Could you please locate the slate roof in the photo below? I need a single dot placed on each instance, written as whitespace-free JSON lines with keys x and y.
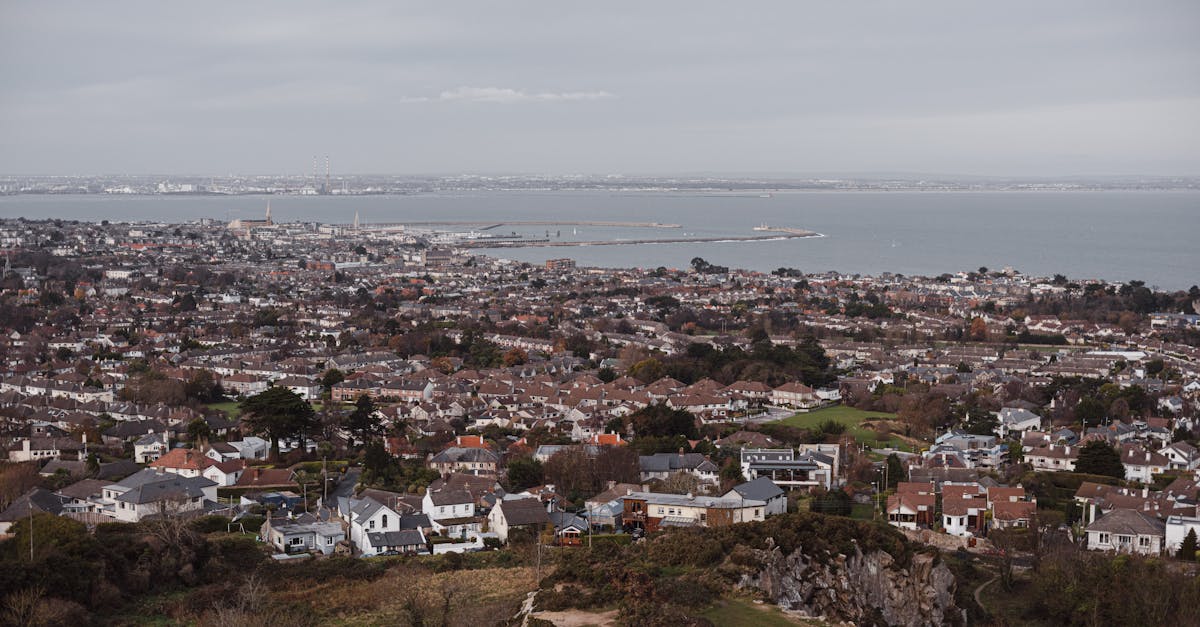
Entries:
{"x":523,"y":512}
{"x":1129,"y":522}
{"x":39,"y":500}
{"x":407,"y":537}
{"x":761,"y":489}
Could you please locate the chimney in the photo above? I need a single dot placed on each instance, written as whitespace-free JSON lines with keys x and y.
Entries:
{"x":1145,"y":492}
{"x":1147,"y":456}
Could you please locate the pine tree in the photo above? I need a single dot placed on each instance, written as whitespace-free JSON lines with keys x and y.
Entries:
{"x":1187,"y":550}
{"x":1100,"y":458}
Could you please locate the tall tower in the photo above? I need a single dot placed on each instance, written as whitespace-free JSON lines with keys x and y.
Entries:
{"x":268,"y":220}
{"x":355,"y":220}
{"x":328,"y":190}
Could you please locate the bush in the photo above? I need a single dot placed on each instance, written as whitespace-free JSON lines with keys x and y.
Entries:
{"x":209,"y":524}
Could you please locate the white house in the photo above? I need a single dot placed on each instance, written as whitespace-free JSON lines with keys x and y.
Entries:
{"x":1127,"y":531}
{"x":510,"y":514}
{"x":1177,"y":529}
{"x":288,"y":536}
{"x":1181,"y":456}
{"x":452,"y":512}
{"x":150,"y":447}
{"x":1016,"y":420}
{"x":763,"y":490}
{"x":1141,"y":464}
{"x":152,"y":492}
{"x":367,"y":516}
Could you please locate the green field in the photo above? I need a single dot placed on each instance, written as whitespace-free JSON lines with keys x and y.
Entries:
{"x":850,"y":417}
{"x":229,"y":407}
{"x":739,"y":613}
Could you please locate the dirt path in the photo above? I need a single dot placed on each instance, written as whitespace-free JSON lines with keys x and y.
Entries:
{"x":577,"y":618}
{"x":980,"y":590}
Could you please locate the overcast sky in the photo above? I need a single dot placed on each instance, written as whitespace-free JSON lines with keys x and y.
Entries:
{"x":791,"y":88}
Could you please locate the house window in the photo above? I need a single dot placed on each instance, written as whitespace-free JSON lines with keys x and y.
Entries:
{"x":758,"y":512}
{"x":1103,"y":538}
{"x":660,"y":511}
{"x":329,"y":540}
{"x":1144,"y":542}
{"x":296,"y":541}
{"x":384,"y":523}
{"x":371,"y":525}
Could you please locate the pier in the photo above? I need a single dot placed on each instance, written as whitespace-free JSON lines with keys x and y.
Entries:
{"x":491,"y":224}
{"x":791,"y":234}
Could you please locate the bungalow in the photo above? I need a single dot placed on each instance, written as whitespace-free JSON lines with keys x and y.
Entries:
{"x":1016,"y":420}
{"x":287,"y":536}
{"x":512,"y":514}
{"x":184,"y":462}
{"x":568,"y":528}
{"x":761,"y":489}
{"x":652,"y":510}
{"x":35,"y":501}
{"x":1127,"y":531}
{"x":403,"y":542}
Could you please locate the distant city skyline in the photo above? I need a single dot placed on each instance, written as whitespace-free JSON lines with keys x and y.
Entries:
{"x":779,"y":89}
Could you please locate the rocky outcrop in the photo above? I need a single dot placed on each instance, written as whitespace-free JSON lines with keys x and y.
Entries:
{"x":870,"y":589}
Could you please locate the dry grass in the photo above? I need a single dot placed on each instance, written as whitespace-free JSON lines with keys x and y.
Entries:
{"x":408,"y":595}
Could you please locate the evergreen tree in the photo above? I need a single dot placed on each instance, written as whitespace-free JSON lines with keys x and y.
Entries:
{"x":1187,"y":550}
{"x":1100,"y":458}
{"x":279,"y":413}
{"x":362,"y":423}
{"x":895,"y":471}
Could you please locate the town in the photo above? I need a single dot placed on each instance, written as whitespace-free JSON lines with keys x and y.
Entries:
{"x":330,"y":391}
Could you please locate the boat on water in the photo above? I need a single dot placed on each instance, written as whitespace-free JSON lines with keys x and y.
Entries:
{"x":764,"y":227}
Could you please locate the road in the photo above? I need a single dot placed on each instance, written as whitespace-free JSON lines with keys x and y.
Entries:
{"x":346,"y":486}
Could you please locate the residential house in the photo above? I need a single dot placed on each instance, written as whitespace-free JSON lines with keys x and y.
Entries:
{"x":652,"y":510}
{"x":964,"y":509}
{"x":764,"y":490}
{"x":790,"y":469}
{"x":35,"y":501}
{"x":511,"y":514}
{"x":467,"y":460}
{"x":368,"y":516}
{"x":663,"y":465}
{"x":150,"y":447}
{"x":289,"y":536}
{"x":912,"y":505}
{"x":1053,"y":458}
{"x":183,"y":461}
{"x":1127,"y":531}
{"x":155,"y":492}
{"x":1141,"y":464}
{"x":451,"y":512}
{"x":795,"y":395}
{"x":1177,"y":528}
{"x":1015,"y":421}
{"x":1181,"y":456}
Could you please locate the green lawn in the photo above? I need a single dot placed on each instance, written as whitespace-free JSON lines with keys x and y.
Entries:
{"x":850,"y":417}
{"x":743,"y":613}
{"x":229,"y":407}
